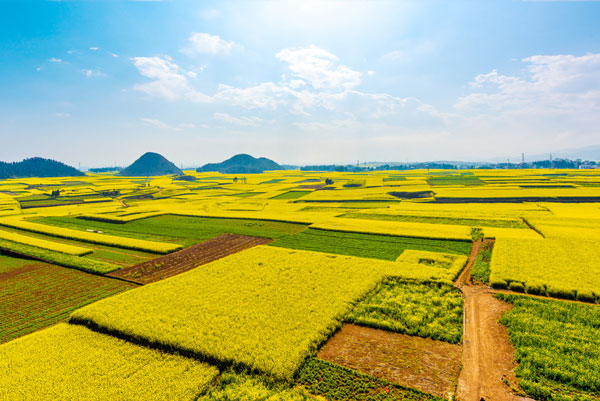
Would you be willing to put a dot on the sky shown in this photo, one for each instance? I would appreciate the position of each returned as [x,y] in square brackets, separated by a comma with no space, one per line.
[98,83]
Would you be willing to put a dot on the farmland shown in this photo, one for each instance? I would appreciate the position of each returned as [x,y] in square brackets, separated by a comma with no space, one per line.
[37,295]
[277,286]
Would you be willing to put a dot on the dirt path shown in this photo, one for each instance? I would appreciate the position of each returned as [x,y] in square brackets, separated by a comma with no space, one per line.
[488,357]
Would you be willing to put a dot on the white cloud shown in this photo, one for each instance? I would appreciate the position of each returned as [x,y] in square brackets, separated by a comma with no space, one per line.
[168,80]
[113,54]
[92,73]
[370,73]
[94,48]
[55,60]
[394,55]
[409,50]
[160,124]
[207,43]
[63,115]
[318,67]
[155,122]
[240,121]
[554,85]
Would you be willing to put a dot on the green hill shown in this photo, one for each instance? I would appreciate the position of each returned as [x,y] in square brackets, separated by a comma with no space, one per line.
[37,167]
[150,164]
[241,164]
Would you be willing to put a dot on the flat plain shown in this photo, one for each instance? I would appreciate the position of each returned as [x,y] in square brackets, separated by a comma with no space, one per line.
[293,285]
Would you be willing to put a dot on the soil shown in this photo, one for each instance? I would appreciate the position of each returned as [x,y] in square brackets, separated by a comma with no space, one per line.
[16,272]
[427,365]
[188,258]
[488,357]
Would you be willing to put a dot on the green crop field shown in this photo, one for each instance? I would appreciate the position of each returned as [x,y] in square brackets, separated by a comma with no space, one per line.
[432,310]
[367,245]
[557,347]
[336,383]
[182,230]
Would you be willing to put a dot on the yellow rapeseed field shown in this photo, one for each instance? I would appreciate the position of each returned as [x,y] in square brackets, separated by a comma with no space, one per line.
[41,243]
[265,308]
[69,362]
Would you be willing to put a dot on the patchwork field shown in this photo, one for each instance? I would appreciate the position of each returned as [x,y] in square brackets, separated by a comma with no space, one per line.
[289,285]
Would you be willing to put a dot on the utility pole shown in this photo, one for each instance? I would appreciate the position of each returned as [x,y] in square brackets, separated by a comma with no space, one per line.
[522,158]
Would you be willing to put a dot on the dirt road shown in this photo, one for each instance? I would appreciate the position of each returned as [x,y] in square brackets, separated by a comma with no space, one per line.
[488,357]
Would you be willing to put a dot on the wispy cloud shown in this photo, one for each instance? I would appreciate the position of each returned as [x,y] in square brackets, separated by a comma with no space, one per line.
[160,124]
[62,115]
[168,80]
[240,121]
[207,44]
[55,60]
[92,73]
[94,48]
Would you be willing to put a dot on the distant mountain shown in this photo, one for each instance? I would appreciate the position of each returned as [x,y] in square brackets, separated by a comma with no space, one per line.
[149,165]
[241,164]
[37,167]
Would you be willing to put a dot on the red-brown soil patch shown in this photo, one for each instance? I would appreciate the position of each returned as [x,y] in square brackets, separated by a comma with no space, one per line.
[188,258]
[421,363]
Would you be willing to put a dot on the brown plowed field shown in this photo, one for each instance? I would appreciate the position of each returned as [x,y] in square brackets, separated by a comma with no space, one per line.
[39,295]
[421,363]
[188,258]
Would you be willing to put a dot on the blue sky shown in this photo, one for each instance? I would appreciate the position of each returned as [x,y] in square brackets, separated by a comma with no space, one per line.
[299,82]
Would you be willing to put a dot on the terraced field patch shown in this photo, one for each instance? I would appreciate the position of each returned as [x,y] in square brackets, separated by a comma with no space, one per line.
[37,295]
[189,258]
[427,365]
[265,308]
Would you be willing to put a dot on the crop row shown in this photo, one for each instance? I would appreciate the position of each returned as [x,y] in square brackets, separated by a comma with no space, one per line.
[41,295]
[406,229]
[67,362]
[41,243]
[59,258]
[91,237]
